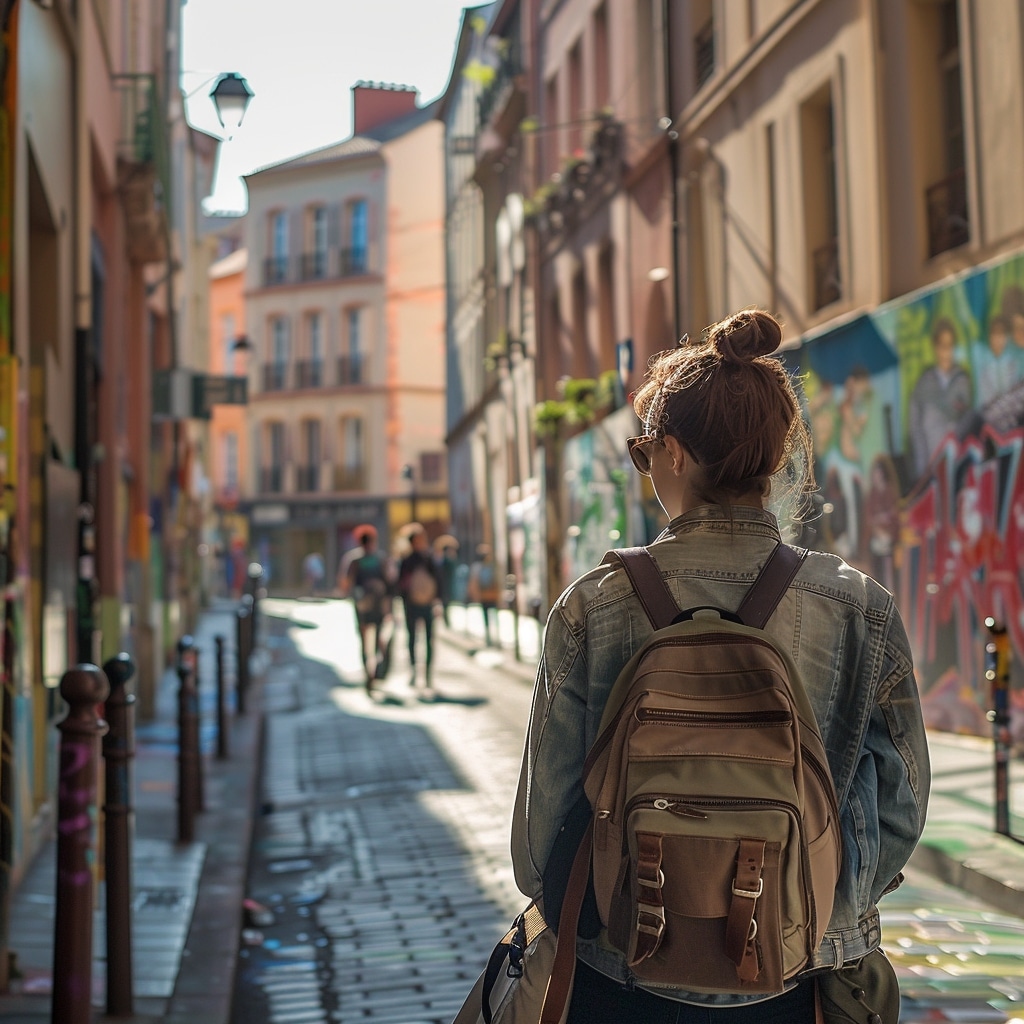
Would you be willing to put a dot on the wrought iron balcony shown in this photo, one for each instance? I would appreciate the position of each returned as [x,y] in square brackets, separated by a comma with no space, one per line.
[307,478]
[274,375]
[271,479]
[309,373]
[827,282]
[350,370]
[352,262]
[313,266]
[948,221]
[275,270]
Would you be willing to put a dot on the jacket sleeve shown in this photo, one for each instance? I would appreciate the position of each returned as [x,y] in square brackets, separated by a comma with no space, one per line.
[551,778]
[897,743]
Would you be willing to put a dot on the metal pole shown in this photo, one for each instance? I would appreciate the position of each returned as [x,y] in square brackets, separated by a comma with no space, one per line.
[244,649]
[188,755]
[512,590]
[998,675]
[222,711]
[118,752]
[255,590]
[83,687]
[196,725]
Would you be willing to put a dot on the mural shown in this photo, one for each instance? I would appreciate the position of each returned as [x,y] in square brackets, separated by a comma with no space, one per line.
[917,413]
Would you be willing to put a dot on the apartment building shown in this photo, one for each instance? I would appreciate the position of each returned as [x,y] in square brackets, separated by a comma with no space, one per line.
[345,315]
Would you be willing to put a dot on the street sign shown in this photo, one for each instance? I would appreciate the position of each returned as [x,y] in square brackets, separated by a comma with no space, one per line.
[209,390]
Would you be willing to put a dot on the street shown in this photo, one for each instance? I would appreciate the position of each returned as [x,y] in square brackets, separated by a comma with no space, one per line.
[380,867]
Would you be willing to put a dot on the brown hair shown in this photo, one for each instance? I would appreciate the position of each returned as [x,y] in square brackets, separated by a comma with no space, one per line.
[733,408]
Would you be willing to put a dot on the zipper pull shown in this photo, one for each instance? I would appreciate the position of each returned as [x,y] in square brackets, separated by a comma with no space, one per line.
[676,808]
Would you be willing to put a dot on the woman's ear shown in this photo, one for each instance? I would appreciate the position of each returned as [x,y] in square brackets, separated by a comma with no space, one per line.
[676,452]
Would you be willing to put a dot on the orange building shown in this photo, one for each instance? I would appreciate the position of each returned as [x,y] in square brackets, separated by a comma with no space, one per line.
[229,351]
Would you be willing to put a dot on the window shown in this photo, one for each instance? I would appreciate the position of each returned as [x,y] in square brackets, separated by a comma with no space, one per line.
[314,259]
[946,198]
[606,308]
[649,58]
[581,360]
[308,477]
[431,467]
[310,370]
[350,363]
[354,255]
[276,266]
[230,453]
[349,475]
[275,369]
[550,136]
[703,19]
[272,471]
[227,341]
[821,203]
[575,98]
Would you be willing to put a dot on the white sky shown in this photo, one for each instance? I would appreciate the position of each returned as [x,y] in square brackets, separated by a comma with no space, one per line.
[300,58]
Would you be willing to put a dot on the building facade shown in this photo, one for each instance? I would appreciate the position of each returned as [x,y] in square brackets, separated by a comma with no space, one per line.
[345,313]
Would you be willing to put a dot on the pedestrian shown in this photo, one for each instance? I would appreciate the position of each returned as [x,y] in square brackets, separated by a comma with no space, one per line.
[484,589]
[313,571]
[724,436]
[366,576]
[419,584]
[446,552]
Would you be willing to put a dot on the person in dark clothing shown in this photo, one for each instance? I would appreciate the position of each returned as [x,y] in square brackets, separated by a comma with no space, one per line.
[419,583]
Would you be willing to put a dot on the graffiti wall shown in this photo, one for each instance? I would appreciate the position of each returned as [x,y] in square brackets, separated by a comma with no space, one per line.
[917,412]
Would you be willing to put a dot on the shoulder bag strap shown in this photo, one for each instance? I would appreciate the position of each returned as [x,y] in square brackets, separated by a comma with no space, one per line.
[649,584]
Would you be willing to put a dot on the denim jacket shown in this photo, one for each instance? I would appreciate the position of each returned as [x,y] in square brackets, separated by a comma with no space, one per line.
[846,637]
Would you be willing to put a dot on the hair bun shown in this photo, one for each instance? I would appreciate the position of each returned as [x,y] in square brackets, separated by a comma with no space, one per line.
[746,335]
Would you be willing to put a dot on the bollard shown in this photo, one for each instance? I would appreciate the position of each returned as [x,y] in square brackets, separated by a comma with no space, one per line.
[83,687]
[255,573]
[512,593]
[998,675]
[197,726]
[243,648]
[188,747]
[222,711]
[118,752]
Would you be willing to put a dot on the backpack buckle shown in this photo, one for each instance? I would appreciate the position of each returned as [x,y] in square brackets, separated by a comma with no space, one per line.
[749,893]
[655,919]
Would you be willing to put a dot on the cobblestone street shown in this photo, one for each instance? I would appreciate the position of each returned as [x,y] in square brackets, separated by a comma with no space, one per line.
[380,868]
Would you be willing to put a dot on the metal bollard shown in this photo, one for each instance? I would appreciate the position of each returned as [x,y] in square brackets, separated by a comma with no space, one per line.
[243,648]
[222,711]
[83,687]
[118,752]
[188,746]
[998,675]
[255,573]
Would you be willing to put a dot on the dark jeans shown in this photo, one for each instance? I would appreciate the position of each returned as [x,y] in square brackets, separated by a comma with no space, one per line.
[420,613]
[599,1000]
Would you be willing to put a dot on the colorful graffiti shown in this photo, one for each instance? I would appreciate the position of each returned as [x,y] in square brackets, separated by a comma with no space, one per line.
[917,413]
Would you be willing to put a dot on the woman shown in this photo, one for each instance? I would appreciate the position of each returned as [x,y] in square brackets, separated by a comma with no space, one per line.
[723,434]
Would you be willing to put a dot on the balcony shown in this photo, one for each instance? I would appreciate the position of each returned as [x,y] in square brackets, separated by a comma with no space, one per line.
[352,262]
[313,266]
[307,478]
[271,479]
[948,223]
[309,373]
[827,282]
[494,97]
[349,478]
[274,375]
[350,370]
[275,270]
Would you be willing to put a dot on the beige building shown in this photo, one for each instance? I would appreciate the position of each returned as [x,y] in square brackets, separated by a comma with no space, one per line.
[345,313]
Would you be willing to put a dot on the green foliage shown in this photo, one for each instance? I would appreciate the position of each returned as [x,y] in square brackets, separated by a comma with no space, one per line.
[582,399]
[479,72]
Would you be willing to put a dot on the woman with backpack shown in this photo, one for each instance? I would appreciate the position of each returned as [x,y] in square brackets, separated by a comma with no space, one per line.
[724,442]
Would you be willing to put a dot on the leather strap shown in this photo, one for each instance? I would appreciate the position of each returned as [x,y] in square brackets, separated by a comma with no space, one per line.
[563,970]
[650,904]
[756,608]
[741,926]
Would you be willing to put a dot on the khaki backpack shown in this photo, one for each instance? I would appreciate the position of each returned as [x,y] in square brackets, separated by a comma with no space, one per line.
[714,842]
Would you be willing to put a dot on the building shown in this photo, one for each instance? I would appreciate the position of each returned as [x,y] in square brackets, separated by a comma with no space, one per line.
[345,313]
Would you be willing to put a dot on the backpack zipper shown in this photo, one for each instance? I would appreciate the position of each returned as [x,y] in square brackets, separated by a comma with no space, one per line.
[661,802]
[728,719]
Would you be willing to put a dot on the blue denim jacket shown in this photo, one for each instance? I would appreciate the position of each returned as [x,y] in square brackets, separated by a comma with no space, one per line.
[848,642]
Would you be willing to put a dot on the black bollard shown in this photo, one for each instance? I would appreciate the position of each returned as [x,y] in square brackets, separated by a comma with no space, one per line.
[998,675]
[118,752]
[255,590]
[222,711]
[83,687]
[188,749]
[242,651]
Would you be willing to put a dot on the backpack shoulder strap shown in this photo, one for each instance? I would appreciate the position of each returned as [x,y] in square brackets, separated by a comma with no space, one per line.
[649,584]
[756,608]
[772,582]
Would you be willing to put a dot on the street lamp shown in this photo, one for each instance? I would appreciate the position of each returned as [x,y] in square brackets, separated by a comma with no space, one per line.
[231,95]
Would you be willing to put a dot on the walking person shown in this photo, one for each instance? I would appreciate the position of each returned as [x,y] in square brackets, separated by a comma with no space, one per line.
[484,589]
[366,575]
[446,555]
[419,583]
[724,437]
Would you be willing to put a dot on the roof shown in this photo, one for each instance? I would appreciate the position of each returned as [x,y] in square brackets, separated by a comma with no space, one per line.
[234,263]
[354,146]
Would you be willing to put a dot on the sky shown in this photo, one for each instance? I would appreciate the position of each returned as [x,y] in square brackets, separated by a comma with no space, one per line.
[300,58]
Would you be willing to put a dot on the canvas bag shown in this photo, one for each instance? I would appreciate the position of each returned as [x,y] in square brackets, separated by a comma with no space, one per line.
[715,840]
[421,587]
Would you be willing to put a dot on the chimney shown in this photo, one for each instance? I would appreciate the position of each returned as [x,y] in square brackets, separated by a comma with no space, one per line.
[376,103]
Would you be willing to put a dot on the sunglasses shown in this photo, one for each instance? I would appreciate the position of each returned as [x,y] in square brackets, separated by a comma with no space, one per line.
[639,449]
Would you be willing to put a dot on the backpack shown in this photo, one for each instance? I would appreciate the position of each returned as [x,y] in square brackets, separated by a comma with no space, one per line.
[714,838]
[421,587]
